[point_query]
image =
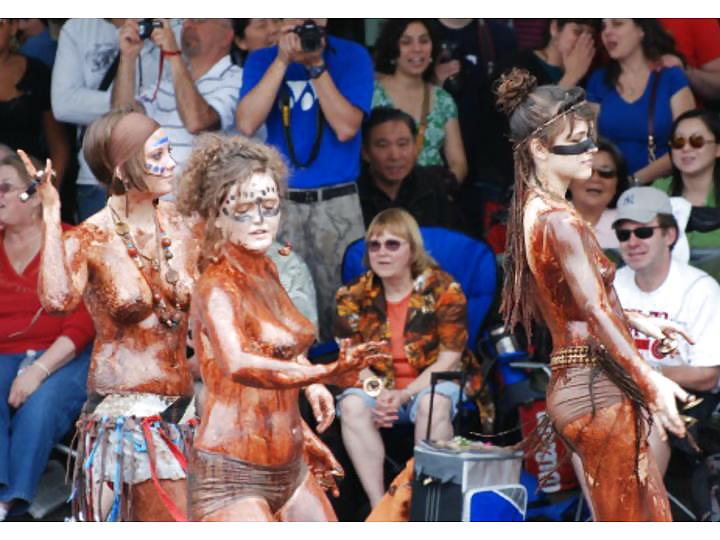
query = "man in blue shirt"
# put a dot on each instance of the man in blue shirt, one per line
(312, 95)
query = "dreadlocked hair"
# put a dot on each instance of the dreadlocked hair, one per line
(534, 113)
(218, 163)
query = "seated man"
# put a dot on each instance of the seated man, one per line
(204, 87)
(391, 177)
(406, 300)
(656, 284)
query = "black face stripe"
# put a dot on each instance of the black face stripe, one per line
(574, 149)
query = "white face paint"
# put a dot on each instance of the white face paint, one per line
(250, 214)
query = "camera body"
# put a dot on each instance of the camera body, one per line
(449, 50)
(311, 35)
(146, 26)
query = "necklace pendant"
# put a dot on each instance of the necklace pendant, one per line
(172, 276)
(122, 228)
(155, 265)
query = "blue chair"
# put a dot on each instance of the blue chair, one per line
(471, 262)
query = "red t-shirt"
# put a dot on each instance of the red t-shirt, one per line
(397, 315)
(19, 303)
(697, 39)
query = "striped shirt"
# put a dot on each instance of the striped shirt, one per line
(220, 87)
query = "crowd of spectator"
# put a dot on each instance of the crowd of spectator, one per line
(408, 121)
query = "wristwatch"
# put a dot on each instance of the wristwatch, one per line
(315, 71)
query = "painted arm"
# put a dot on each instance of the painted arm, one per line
(63, 267)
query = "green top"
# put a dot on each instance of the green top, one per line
(700, 240)
(443, 109)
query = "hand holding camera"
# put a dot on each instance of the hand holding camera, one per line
(162, 35)
(302, 43)
(129, 37)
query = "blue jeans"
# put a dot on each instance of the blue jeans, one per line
(408, 411)
(90, 199)
(28, 434)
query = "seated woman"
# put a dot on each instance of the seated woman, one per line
(39, 401)
(404, 57)
(252, 449)
(407, 300)
(695, 154)
(596, 197)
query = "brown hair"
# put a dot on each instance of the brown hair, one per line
(400, 223)
(218, 163)
(14, 161)
(535, 113)
(97, 149)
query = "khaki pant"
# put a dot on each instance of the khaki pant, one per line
(319, 232)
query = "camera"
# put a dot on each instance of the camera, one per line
(146, 26)
(449, 50)
(310, 35)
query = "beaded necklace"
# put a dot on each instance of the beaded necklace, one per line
(170, 318)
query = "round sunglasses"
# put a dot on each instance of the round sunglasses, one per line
(390, 245)
(695, 141)
(605, 172)
(643, 233)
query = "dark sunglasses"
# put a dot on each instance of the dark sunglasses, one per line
(643, 233)
(605, 172)
(390, 245)
(696, 141)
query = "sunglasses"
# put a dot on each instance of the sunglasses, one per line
(6, 188)
(605, 172)
(695, 141)
(643, 233)
(390, 245)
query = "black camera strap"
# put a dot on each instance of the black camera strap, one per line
(105, 83)
(285, 114)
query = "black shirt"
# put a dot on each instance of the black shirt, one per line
(422, 193)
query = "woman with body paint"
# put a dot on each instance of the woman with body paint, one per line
(254, 458)
(134, 263)
(601, 395)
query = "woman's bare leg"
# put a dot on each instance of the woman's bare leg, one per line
(308, 503)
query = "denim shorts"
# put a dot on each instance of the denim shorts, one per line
(408, 411)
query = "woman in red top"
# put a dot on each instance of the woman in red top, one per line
(407, 300)
(39, 401)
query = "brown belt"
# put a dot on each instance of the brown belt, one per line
(578, 356)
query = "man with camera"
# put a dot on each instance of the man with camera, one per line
(312, 91)
(201, 93)
(85, 68)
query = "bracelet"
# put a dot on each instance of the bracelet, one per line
(42, 366)
(170, 53)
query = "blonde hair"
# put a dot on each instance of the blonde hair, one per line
(218, 163)
(400, 223)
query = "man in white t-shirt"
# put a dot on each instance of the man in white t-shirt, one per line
(655, 284)
(202, 91)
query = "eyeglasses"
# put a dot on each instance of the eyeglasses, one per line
(6, 188)
(643, 233)
(605, 172)
(696, 141)
(390, 245)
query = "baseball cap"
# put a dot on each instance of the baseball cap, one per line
(642, 204)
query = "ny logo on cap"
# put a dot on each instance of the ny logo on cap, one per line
(629, 199)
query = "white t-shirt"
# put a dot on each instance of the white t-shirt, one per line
(86, 48)
(220, 87)
(688, 296)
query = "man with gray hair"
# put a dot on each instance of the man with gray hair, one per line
(655, 284)
(203, 90)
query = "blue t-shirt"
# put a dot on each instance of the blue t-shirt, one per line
(351, 70)
(626, 124)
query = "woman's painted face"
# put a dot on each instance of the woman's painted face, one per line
(250, 214)
(599, 190)
(12, 210)
(574, 166)
(159, 165)
(688, 159)
(415, 48)
(621, 37)
(389, 255)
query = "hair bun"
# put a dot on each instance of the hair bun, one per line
(513, 88)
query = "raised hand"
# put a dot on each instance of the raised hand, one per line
(46, 190)
(352, 360)
(129, 39)
(577, 61)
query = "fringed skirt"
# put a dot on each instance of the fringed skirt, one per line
(126, 439)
